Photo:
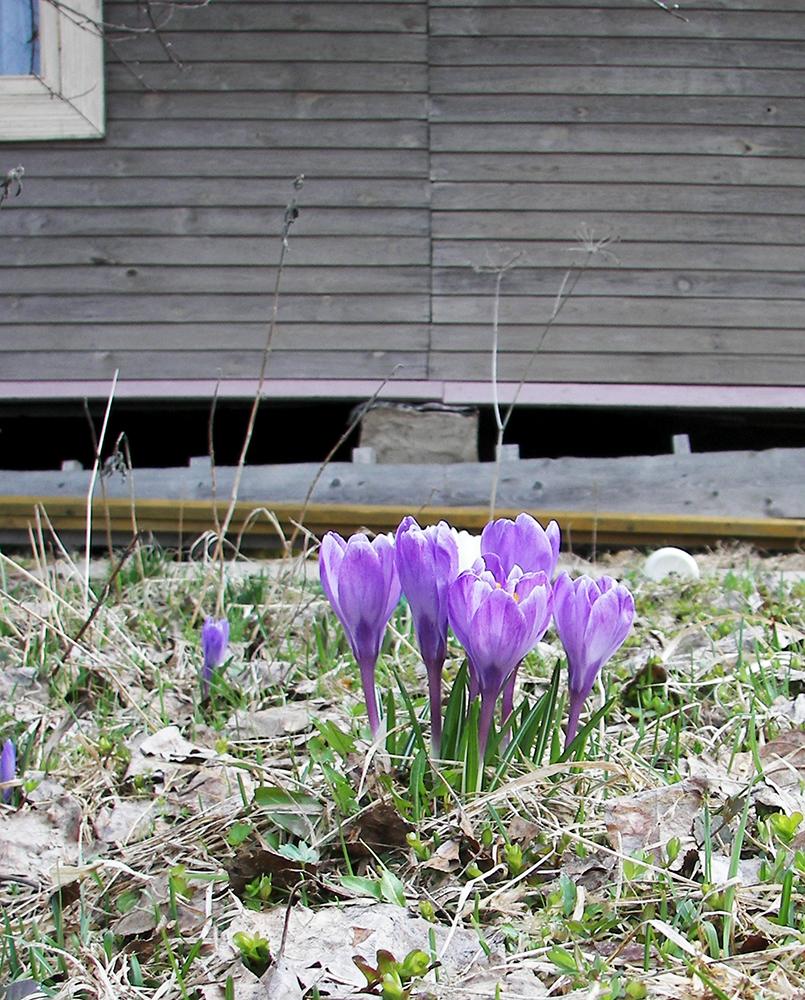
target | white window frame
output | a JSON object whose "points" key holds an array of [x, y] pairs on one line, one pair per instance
{"points": [[65, 100]]}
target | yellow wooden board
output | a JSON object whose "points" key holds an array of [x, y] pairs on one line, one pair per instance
{"points": [[193, 517]]}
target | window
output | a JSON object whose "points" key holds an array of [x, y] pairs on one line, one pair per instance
{"points": [[51, 70]]}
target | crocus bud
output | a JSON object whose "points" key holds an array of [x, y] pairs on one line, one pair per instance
{"points": [[498, 623], [427, 563], [360, 580], [214, 640], [593, 617], [8, 767], [524, 543]]}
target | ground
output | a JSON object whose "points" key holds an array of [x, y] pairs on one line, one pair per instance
{"points": [[159, 844]]}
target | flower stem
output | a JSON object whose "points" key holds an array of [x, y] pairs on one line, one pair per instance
{"points": [[435, 695], [573, 714], [370, 696]]}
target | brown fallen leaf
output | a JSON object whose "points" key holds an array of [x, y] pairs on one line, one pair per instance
{"points": [[378, 828], [649, 819], [253, 860], [445, 858]]}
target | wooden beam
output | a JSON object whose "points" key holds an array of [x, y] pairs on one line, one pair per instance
{"points": [[191, 517]]}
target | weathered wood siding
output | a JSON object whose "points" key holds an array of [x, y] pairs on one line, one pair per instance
{"points": [[154, 251], [681, 138], [438, 139]]}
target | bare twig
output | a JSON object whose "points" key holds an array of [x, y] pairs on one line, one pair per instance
{"points": [[92, 481], [329, 457]]}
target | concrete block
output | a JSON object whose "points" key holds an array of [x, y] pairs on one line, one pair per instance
{"points": [[507, 452], [363, 456], [680, 444], [403, 434]]}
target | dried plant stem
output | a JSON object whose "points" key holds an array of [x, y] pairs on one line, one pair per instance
{"points": [[569, 281], [92, 481], [329, 456], [291, 214]]}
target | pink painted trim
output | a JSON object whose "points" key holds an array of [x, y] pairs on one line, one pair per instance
{"points": [[466, 393]]}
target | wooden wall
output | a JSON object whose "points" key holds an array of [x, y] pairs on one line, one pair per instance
{"points": [[439, 139], [684, 138], [154, 250]]}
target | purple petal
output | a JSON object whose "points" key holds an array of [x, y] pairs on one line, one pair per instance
{"points": [[8, 766], [331, 555]]}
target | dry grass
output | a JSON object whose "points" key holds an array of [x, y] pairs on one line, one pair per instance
{"points": [[652, 867]]}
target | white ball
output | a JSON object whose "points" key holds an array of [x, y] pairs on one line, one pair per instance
{"points": [[671, 561]]}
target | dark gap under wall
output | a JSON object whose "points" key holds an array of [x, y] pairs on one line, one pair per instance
{"points": [[164, 434]]}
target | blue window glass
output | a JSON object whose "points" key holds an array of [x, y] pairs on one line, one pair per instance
{"points": [[19, 37]]}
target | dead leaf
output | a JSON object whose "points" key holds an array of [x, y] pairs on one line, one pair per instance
{"points": [[445, 858], [253, 860], [269, 723], [523, 829], [166, 746], [649, 819], [792, 709], [320, 944], [125, 822], [35, 842], [378, 828]]}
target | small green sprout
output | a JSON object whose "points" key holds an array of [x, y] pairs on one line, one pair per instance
{"points": [[257, 893], [254, 951]]}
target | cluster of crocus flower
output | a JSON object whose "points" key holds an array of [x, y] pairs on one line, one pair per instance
{"points": [[496, 594]]}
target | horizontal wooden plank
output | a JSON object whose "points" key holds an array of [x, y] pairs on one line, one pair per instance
{"points": [[102, 161], [703, 140], [601, 279], [617, 108], [316, 337], [619, 339], [214, 364], [367, 17], [20, 220], [615, 22], [687, 8], [209, 308], [354, 77], [377, 251], [676, 53], [345, 193], [660, 369], [355, 134], [221, 279], [633, 311], [627, 254], [597, 168], [678, 227], [279, 46], [303, 105], [608, 79], [191, 517], [657, 197]]}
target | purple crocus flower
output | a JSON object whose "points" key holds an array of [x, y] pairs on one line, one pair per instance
{"points": [[427, 563], [8, 767], [214, 640], [360, 580], [524, 543], [497, 619], [593, 617]]}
